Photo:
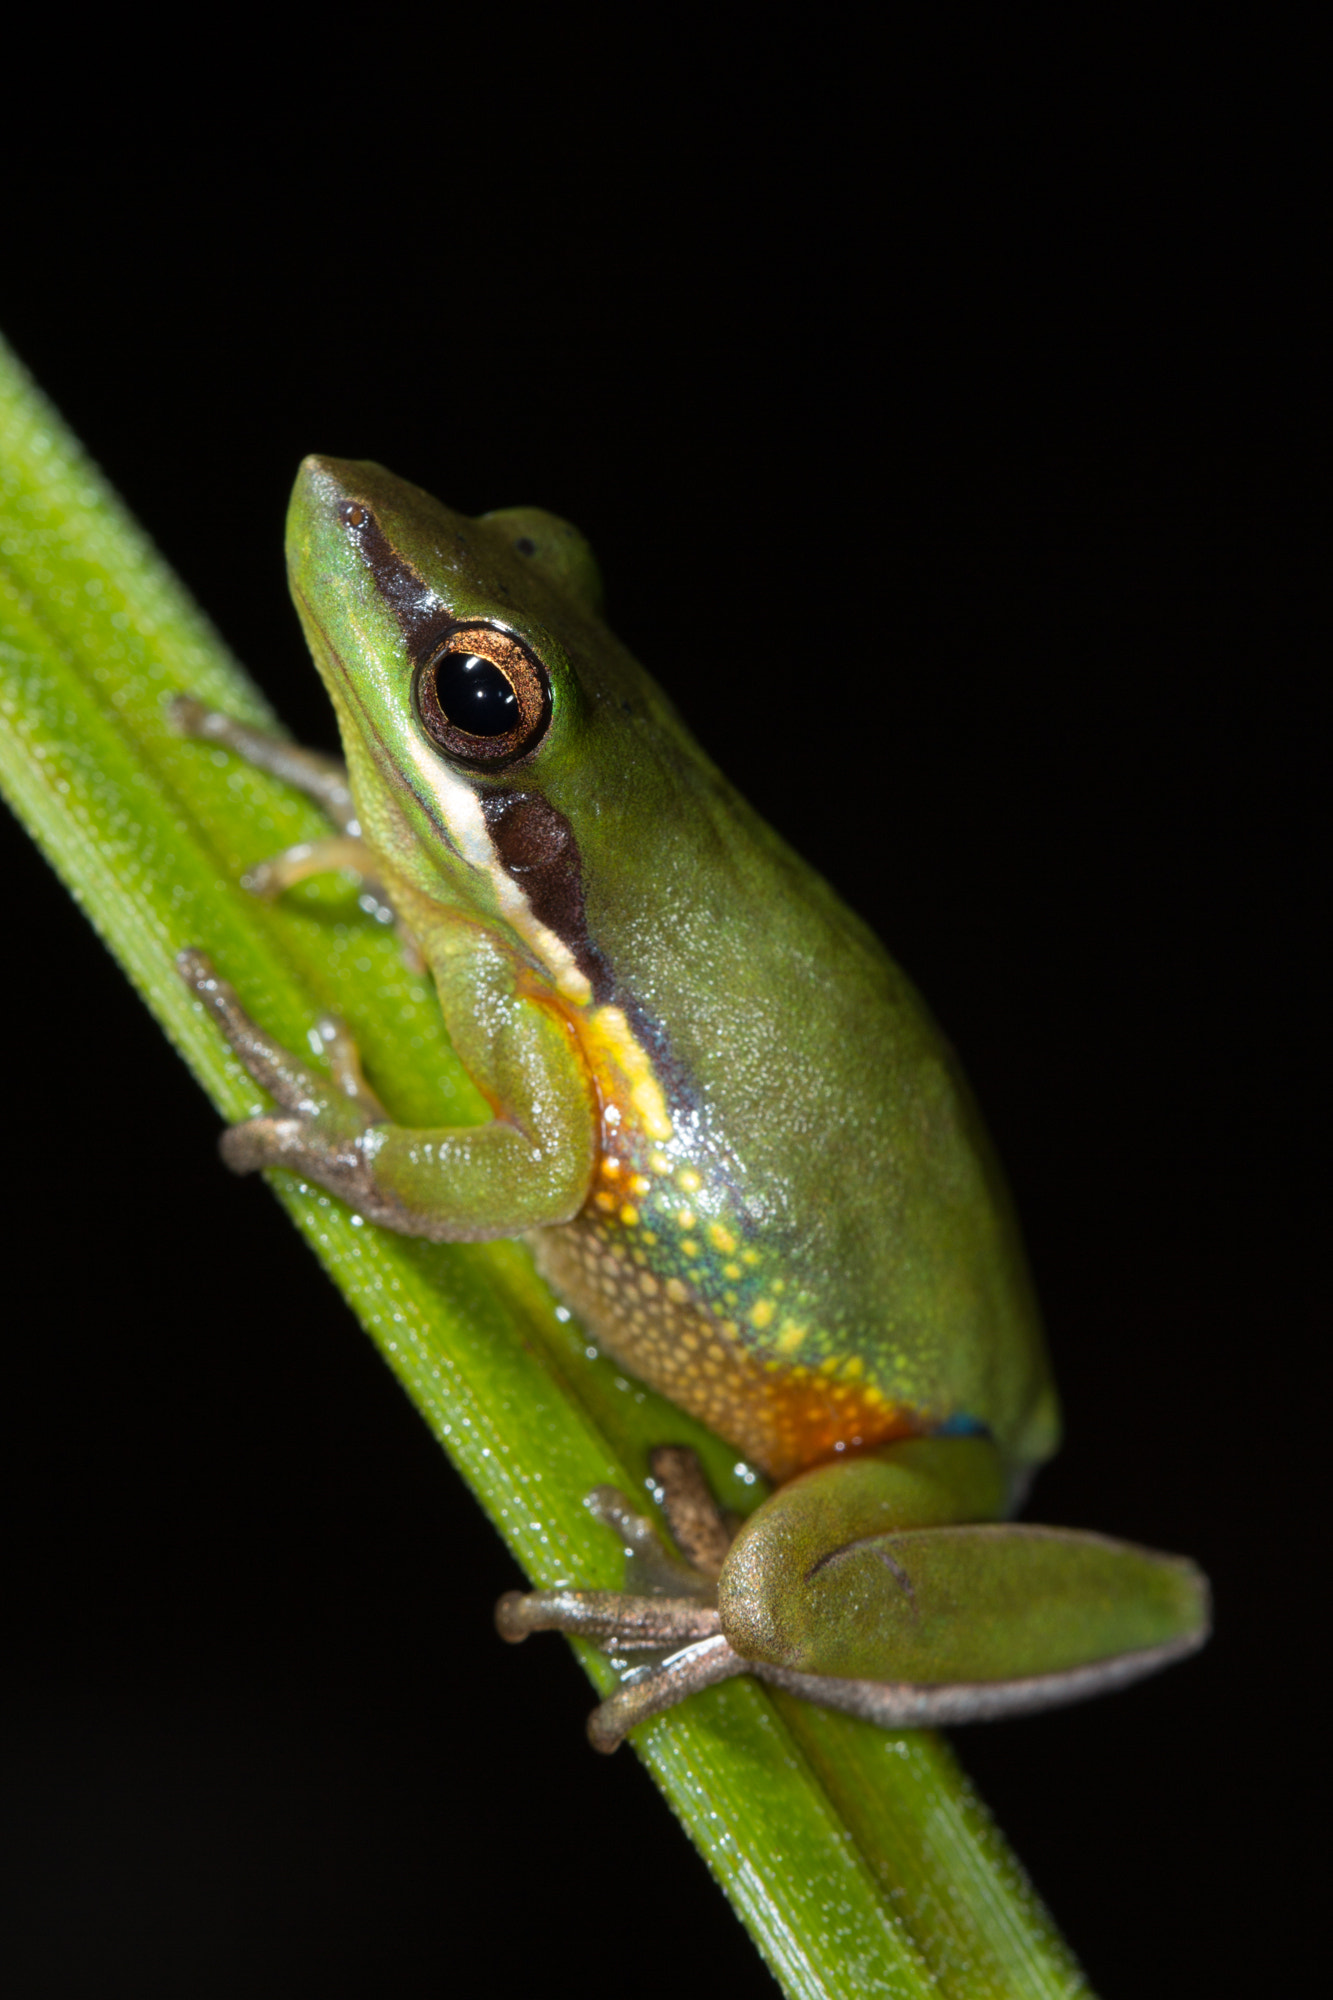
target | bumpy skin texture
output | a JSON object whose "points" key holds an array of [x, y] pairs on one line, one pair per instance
{"points": [[739, 1144], [794, 1224]]}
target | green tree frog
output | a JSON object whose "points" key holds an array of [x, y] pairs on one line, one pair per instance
{"points": [[742, 1151]]}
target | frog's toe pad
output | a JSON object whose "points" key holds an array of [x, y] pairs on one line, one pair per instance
{"points": [[259, 1142]]}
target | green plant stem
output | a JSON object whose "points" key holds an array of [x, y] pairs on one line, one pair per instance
{"points": [[860, 1862]]}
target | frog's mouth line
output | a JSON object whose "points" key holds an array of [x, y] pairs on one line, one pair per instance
{"points": [[384, 763], [464, 832]]}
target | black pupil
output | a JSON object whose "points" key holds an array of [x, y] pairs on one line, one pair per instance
{"points": [[475, 695]]}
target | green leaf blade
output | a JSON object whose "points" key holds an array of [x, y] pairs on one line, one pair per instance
{"points": [[860, 1863]]}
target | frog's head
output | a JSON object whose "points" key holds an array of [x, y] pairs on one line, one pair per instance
{"points": [[504, 748]]}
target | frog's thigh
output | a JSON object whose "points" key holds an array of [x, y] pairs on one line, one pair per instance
{"points": [[879, 1570]]}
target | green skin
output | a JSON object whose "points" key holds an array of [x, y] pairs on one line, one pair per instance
{"points": [[843, 1215]]}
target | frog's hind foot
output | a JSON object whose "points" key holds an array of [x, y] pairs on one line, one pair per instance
{"points": [[649, 1691], [700, 1529], [614, 1619], [667, 1608]]}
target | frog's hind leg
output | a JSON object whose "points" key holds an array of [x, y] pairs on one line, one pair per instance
{"points": [[886, 1587]]}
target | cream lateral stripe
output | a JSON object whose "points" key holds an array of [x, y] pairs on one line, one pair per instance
{"points": [[459, 807], [462, 814]]}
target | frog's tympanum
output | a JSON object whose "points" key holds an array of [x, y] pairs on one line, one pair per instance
{"points": [[739, 1146]]}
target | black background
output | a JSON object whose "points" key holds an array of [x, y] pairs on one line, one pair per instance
{"points": [[941, 419]]}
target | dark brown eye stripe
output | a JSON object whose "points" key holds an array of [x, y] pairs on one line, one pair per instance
{"points": [[414, 604], [435, 641], [537, 849]]}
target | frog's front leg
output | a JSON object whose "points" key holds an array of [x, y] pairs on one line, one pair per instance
{"points": [[879, 1585], [321, 778], [530, 1167]]}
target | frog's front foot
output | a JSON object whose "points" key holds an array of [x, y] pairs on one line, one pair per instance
{"points": [[321, 778], [325, 1129], [668, 1608]]}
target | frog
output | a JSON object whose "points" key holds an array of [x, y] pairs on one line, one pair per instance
{"points": [[742, 1151]]}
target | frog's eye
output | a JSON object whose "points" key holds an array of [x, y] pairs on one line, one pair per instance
{"points": [[483, 697]]}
